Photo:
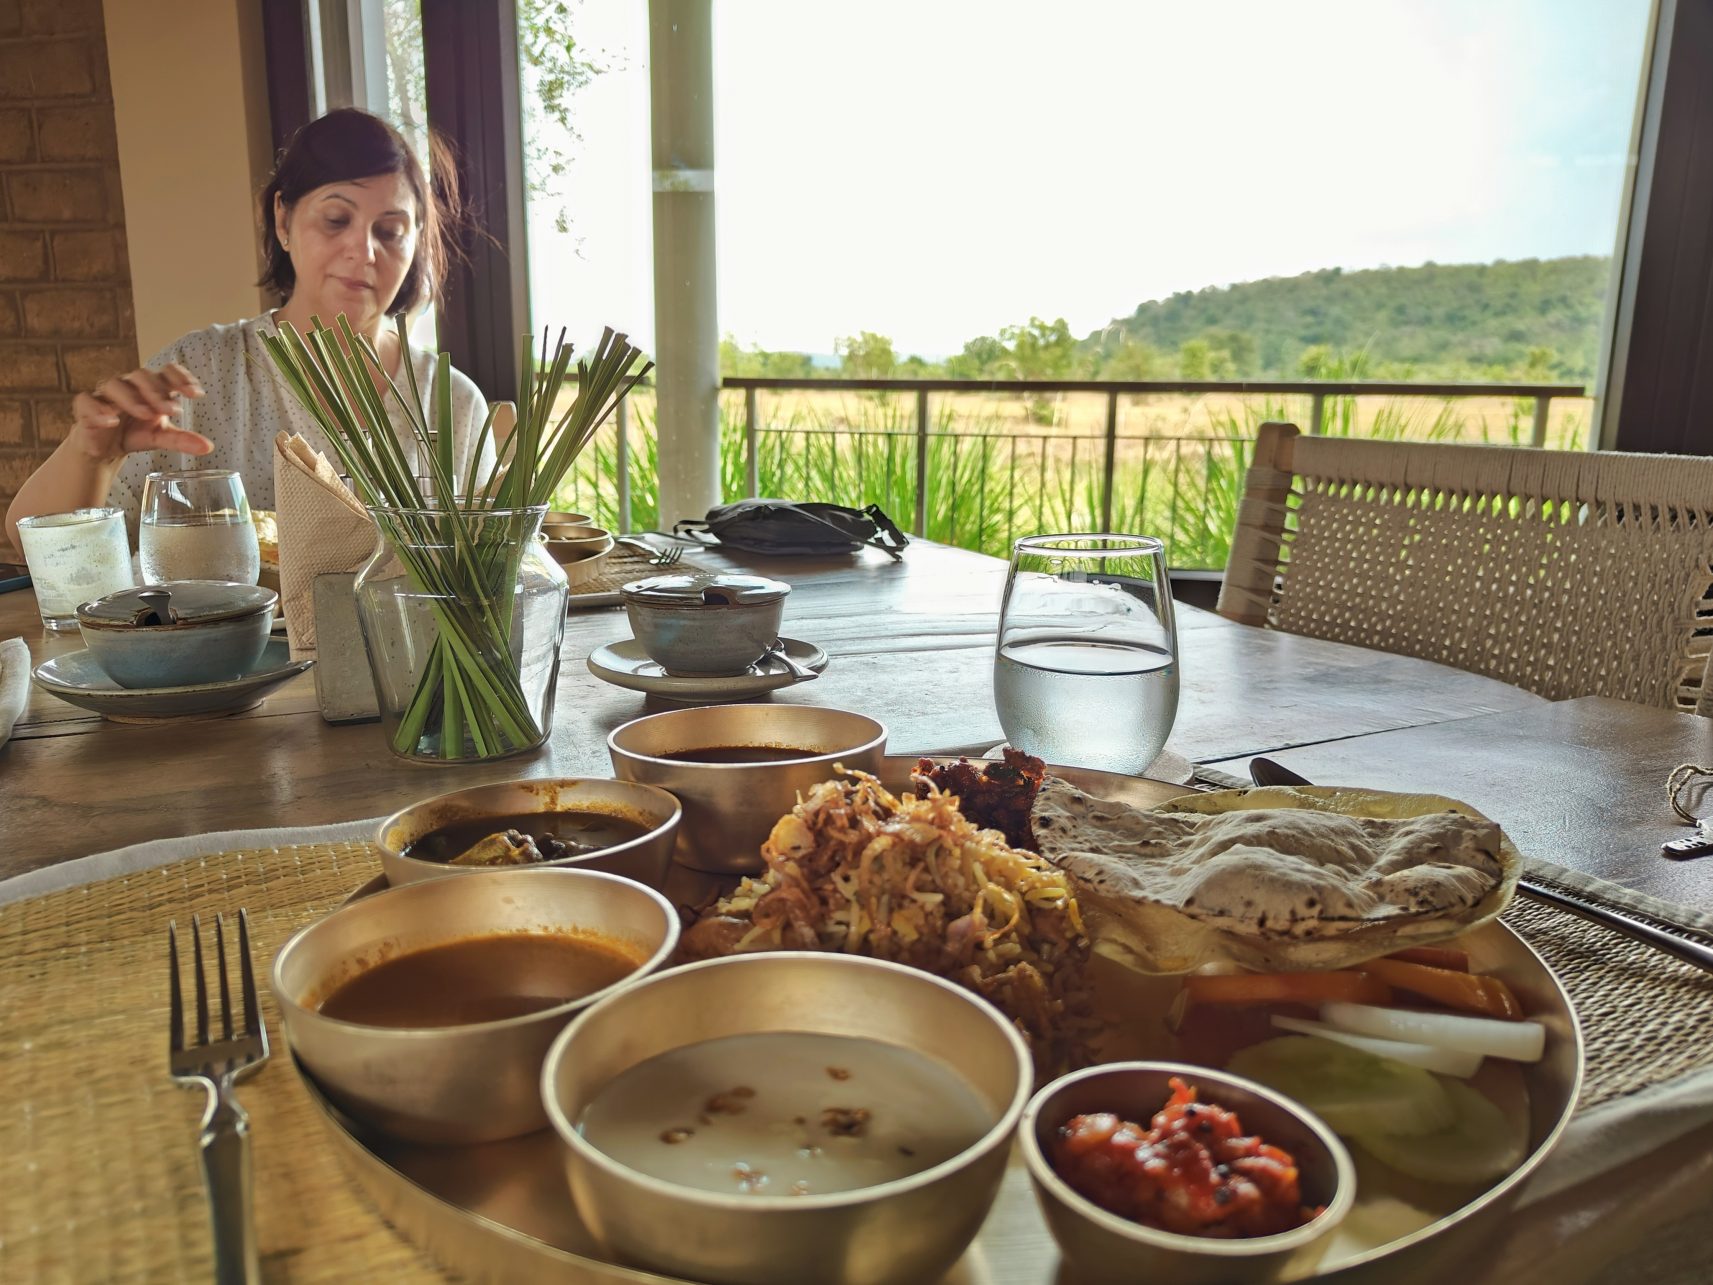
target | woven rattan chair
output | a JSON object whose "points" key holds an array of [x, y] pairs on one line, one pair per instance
{"points": [[1568, 573]]}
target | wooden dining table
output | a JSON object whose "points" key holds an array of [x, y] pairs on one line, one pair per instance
{"points": [[910, 642]]}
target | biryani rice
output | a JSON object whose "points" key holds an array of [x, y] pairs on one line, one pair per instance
{"points": [[854, 868]]}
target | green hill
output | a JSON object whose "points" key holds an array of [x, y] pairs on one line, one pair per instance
{"points": [[1534, 317]]}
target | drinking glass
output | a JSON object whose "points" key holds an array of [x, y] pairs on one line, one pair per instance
{"points": [[75, 558], [196, 525], [1086, 669]]}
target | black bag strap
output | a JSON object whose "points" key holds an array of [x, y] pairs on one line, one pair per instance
{"points": [[890, 539], [887, 537], [694, 529]]}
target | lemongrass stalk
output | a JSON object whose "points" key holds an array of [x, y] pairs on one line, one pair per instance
{"points": [[452, 724], [482, 440], [453, 552], [415, 717]]}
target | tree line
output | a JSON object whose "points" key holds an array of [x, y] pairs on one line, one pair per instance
{"points": [[1525, 320]]}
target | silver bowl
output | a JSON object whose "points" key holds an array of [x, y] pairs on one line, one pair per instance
{"points": [[452, 1084], [1107, 1247], [730, 808], [645, 859], [586, 534], [912, 1229], [571, 544]]}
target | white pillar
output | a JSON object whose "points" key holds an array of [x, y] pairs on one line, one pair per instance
{"points": [[686, 324]]}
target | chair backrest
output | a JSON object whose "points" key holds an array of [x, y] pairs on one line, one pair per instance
{"points": [[1569, 573]]}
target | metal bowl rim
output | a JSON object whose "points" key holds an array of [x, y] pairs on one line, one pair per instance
{"points": [[290, 1005], [1043, 1174], [997, 1137], [558, 863], [877, 741]]}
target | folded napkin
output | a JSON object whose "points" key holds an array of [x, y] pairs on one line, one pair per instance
{"points": [[322, 528], [14, 684]]}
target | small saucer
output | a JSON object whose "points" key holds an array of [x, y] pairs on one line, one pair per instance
{"points": [[625, 664], [75, 677]]}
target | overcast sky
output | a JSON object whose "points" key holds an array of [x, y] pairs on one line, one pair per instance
{"points": [[937, 169]]}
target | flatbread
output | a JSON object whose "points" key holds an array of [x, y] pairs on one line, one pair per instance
{"points": [[1274, 878]]}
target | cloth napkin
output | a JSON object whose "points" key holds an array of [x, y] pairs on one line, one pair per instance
{"points": [[14, 684], [322, 528]]}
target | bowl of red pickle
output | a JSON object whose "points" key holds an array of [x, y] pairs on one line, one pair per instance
{"points": [[1156, 1170]]}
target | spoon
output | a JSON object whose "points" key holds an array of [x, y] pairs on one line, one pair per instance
{"points": [[801, 672], [1263, 771]]}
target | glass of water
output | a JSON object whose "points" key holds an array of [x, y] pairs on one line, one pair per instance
{"points": [[75, 558], [196, 525], [1086, 671]]}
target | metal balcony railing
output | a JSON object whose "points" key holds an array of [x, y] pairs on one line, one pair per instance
{"points": [[1047, 475]]}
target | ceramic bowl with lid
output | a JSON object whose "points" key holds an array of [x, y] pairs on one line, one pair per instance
{"points": [[178, 633], [697, 624]]}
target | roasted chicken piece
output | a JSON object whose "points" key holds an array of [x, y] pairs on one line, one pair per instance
{"points": [[994, 796], [507, 848]]}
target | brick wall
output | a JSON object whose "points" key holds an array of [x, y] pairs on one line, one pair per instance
{"points": [[65, 293]]}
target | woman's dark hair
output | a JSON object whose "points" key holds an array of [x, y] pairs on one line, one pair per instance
{"points": [[351, 144]]}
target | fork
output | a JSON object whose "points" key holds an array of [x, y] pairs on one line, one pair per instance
{"points": [[658, 556], [214, 1064]]}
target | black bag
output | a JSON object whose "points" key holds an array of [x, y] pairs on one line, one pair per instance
{"points": [[785, 526]]}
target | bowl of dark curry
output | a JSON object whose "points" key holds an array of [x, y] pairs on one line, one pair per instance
{"points": [[1163, 1171], [618, 827], [738, 768], [425, 1011]]}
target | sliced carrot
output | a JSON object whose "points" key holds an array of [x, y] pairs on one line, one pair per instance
{"points": [[1435, 957], [1285, 988], [1465, 992]]}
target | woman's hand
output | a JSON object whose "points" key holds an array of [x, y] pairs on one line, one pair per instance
{"points": [[133, 413]]}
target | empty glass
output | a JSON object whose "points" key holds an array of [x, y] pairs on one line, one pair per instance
{"points": [[196, 525], [1086, 669], [75, 558]]}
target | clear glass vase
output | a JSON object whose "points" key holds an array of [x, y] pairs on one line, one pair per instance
{"points": [[462, 614]]}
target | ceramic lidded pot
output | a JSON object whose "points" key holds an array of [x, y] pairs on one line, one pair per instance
{"points": [[698, 624], [178, 633]]}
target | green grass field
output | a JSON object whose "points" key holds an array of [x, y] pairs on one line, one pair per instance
{"points": [[994, 475]]}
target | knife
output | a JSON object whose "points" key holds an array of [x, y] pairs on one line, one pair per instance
{"points": [[1264, 771]]}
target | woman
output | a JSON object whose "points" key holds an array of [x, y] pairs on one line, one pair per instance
{"points": [[351, 225]]}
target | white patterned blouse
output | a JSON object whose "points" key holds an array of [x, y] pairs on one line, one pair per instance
{"points": [[245, 404]]}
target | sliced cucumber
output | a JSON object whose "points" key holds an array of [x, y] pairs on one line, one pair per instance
{"points": [[1353, 1091], [1481, 1145], [1445, 1061]]}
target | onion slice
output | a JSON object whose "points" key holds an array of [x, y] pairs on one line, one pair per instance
{"points": [[1516, 1041], [1446, 1061]]}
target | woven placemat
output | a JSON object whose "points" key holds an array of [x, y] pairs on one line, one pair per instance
{"points": [[620, 567], [100, 1146], [103, 1182]]}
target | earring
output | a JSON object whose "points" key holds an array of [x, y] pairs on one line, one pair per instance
{"points": [[284, 244]]}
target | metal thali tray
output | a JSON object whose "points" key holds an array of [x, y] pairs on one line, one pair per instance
{"points": [[502, 1211]]}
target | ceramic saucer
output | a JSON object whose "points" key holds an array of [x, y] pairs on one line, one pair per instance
{"points": [[625, 664], [75, 677]]}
